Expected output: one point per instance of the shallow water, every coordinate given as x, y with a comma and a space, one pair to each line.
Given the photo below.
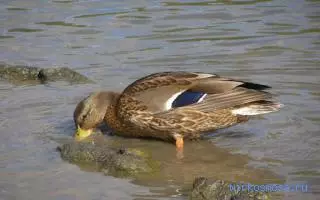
113, 43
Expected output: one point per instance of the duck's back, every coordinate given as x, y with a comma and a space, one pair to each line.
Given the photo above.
187, 103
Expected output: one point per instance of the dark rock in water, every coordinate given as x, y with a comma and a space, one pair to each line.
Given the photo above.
119, 162
20, 74
204, 189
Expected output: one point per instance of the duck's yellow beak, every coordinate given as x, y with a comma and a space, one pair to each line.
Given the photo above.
82, 133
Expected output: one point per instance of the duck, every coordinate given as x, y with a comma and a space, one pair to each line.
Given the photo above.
173, 106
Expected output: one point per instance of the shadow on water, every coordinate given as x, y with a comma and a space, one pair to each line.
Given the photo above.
201, 158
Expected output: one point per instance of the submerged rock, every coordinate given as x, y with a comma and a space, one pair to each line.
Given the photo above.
21, 74
204, 189
119, 162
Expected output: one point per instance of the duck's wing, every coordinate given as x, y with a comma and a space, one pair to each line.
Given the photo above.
166, 91
236, 97
240, 100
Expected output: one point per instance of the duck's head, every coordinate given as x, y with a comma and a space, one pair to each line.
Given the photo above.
90, 113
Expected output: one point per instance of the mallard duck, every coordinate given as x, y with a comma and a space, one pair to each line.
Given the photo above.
174, 106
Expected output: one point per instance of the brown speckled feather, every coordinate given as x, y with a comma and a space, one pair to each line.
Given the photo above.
154, 90
141, 110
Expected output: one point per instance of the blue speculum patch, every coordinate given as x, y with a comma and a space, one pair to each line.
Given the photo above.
187, 98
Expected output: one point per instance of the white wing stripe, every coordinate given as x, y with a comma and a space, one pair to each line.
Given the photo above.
168, 104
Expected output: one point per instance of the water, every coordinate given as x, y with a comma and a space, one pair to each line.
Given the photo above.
269, 42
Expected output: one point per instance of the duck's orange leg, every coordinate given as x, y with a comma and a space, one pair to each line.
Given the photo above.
179, 145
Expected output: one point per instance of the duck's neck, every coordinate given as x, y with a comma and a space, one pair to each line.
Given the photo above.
111, 117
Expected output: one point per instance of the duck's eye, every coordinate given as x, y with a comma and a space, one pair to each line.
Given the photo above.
83, 117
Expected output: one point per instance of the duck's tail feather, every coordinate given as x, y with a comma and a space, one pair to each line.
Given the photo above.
258, 108
254, 86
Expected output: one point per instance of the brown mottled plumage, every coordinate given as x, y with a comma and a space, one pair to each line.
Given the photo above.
144, 108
